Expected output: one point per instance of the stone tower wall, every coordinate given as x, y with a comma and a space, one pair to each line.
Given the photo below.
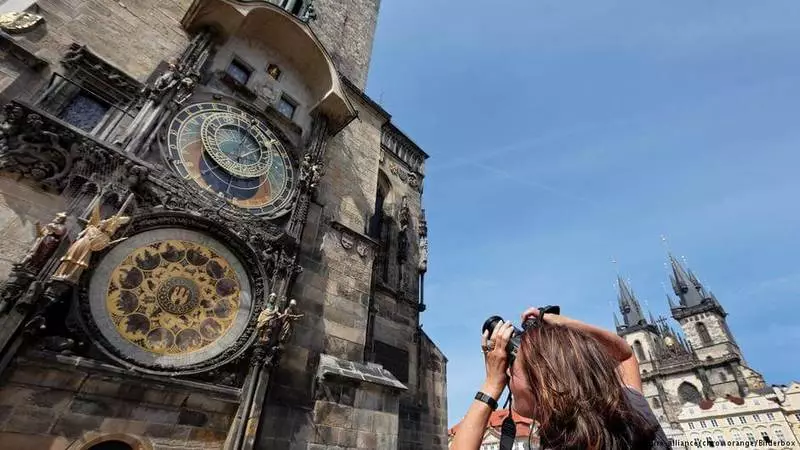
347, 29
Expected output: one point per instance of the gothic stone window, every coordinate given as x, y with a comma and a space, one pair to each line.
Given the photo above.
688, 393
637, 347
702, 331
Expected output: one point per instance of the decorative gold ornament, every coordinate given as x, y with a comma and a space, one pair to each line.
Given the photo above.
669, 342
94, 238
19, 22
173, 297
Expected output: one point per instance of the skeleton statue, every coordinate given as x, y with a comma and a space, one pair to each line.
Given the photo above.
94, 238
287, 320
48, 238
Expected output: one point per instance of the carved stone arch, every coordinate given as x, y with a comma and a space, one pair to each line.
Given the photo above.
246, 257
95, 441
688, 393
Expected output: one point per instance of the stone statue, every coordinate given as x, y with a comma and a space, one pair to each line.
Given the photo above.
185, 89
423, 254
19, 22
310, 172
287, 320
94, 238
265, 323
165, 82
48, 238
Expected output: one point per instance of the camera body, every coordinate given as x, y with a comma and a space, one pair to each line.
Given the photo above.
516, 334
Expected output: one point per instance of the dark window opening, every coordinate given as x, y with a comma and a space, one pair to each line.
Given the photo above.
287, 107
688, 393
637, 347
239, 72
376, 221
393, 359
656, 403
84, 111
702, 331
111, 445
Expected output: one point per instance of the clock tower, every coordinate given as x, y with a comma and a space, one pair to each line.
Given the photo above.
213, 238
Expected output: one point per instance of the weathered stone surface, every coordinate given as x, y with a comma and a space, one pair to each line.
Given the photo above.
72, 426
30, 419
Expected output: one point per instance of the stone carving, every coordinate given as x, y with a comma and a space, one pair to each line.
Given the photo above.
310, 172
267, 319
273, 323
19, 22
94, 238
287, 319
50, 153
402, 234
362, 248
347, 241
309, 14
48, 238
410, 178
85, 66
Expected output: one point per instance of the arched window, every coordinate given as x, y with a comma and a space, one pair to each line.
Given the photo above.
378, 225
377, 219
688, 393
702, 331
639, 350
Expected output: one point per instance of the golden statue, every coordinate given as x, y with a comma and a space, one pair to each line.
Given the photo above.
94, 238
19, 22
48, 238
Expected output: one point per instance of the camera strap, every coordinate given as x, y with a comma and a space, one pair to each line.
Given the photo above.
508, 430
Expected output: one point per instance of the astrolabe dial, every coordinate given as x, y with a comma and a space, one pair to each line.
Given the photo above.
234, 154
240, 148
170, 299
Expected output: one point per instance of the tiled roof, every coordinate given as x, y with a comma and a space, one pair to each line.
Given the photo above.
496, 421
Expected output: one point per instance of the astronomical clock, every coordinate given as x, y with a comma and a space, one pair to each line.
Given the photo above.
233, 154
179, 299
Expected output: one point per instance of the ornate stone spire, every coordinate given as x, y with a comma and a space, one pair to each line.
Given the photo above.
628, 305
686, 286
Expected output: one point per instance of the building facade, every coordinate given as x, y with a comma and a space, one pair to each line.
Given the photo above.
523, 439
210, 236
697, 380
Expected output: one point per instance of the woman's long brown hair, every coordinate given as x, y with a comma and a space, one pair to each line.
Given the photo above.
578, 399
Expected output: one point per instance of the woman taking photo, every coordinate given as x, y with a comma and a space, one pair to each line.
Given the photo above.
578, 383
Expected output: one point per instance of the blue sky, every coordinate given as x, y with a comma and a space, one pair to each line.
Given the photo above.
563, 134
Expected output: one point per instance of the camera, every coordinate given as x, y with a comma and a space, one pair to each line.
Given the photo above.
516, 334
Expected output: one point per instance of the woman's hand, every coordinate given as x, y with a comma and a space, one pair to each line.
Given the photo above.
494, 352
552, 319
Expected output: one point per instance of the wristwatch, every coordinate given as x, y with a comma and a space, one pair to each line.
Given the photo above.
480, 396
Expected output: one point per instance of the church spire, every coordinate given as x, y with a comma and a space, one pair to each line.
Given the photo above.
628, 305
685, 284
